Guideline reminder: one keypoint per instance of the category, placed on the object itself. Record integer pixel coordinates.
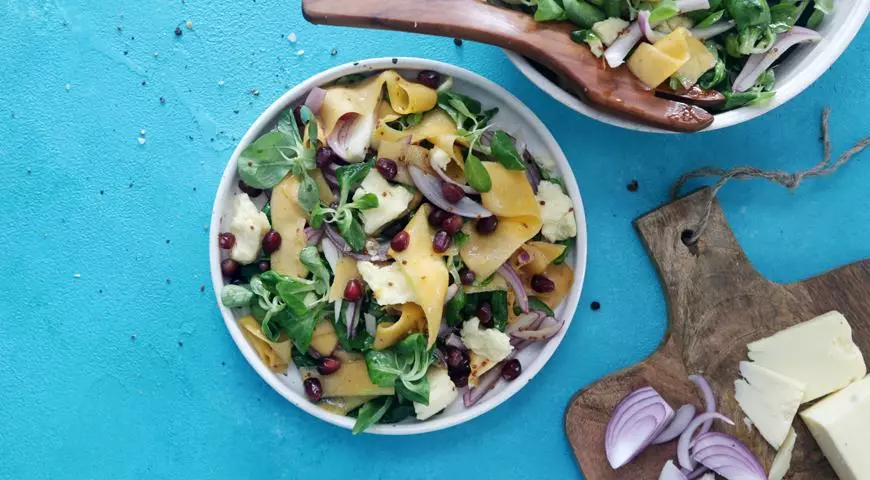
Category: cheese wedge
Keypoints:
(841, 426)
(818, 353)
(782, 460)
(769, 399)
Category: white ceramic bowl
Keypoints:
(513, 116)
(803, 65)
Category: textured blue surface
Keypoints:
(128, 371)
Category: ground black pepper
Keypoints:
(595, 306)
(178, 32)
(457, 42)
(632, 186)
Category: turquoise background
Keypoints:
(128, 371)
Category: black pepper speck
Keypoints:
(178, 32)
(180, 344)
(334, 52)
(632, 186)
(162, 100)
(395, 61)
(202, 288)
(595, 306)
(457, 42)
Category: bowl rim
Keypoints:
(504, 97)
(810, 71)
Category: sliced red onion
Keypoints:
(351, 136)
(314, 100)
(533, 171)
(728, 457)
(330, 252)
(759, 62)
(709, 399)
(686, 437)
(351, 317)
(548, 329)
(681, 420)
(618, 50)
(430, 187)
(671, 472)
(371, 323)
(312, 235)
(519, 343)
(702, 472)
(484, 385)
(524, 322)
(451, 292)
(331, 180)
(712, 30)
(445, 178)
(686, 6)
(651, 35)
(342, 246)
(516, 284)
(636, 421)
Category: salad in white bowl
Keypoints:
(392, 246)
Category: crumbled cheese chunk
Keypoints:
(442, 393)
(393, 201)
(249, 226)
(607, 30)
(489, 342)
(769, 399)
(557, 212)
(389, 285)
(782, 460)
(439, 158)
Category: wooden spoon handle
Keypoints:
(547, 43)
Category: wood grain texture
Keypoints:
(717, 303)
(548, 43)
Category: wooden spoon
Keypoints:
(550, 44)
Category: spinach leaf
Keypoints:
(710, 19)
(476, 175)
(301, 359)
(757, 39)
(498, 300)
(398, 412)
(663, 10)
(309, 192)
(615, 8)
(267, 209)
(343, 216)
(564, 255)
(293, 291)
(353, 233)
(783, 16)
(748, 13)
(370, 413)
(234, 296)
(766, 80)
(261, 164)
(301, 328)
(460, 239)
(749, 97)
(383, 367)
(583, 14)
(350, 78)
(549, 10)
(406, 121)
(535, 304)
(310, 257)
(414, 391)
(350, 176)
(504, 150)
(453, 309)
(360, 343)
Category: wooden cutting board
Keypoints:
(717, 303)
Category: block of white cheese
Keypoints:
(782, 460)
(442, 392)
(393, 201)
(389, 285)
(818, 353)
(769, 399)
(841, 426)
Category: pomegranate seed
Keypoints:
(467, 277)
(436, 216)
(429, 78)
(487, 225)
(484, 314)
(251, 191)
(455, 358)
(453, 193)
(230, 268)
(313, 388)
(400, 241)
(328, 365)
(226, 240)
(387, 168)
(452, 224)
(353, 290)
(271, 242)
(542, 284)
(511, 369)
(441, 242)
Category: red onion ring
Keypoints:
(315, 98)
(686, 437)
(516, 284)
(443, 176)
(713, 30)
(451, 292)
(617, 51)
(728, 457)
(342, 246)
(351, 136)
(533, 171)
(651, 35)
(430, 187)
(548, 329)
(759, 62)
(484, 385)
(681, 420)
(371, 323)
(636, 421)
(524, 322)
(709, 399)
(686, 6)
(312, 235)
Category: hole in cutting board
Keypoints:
(686, 238)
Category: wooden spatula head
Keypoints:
(549, 44)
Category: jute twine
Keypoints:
(786, 179)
